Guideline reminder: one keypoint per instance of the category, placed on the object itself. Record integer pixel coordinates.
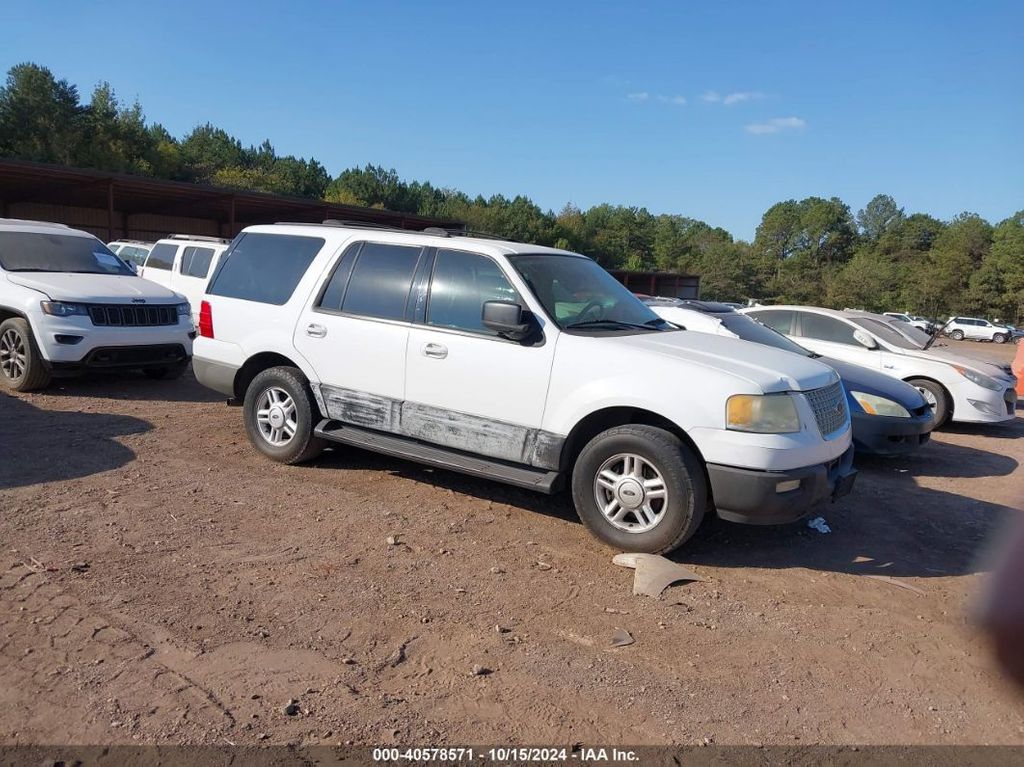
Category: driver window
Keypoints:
(460, 285)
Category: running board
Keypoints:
(444, 458)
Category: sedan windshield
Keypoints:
(45, 252)
(899, 334)
(751, 330)
(579, 295)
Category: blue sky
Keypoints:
(711, 110)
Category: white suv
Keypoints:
(67, 304)
(524, 364)
(975, 329)
(132, 252)
(184, 263)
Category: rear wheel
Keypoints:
(280, 416)
(957, 335)
(937, 397)
(21, 364)
(639, 488)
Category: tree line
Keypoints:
(811, 251)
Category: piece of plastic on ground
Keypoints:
(654, 574)
(819, 524)
(622, 638)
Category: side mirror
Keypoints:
(507, 319)
(864, 339)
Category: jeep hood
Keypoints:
(94, 288)
(772, 370)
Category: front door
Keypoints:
(832, 337)
(467, 388)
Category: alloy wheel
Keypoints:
(276, 416)
(13, 357)
(631, 493)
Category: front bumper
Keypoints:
(985, 406)
(887, 435)
(124, 357)
(751, 497)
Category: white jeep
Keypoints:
(68, 304)
(524, 364)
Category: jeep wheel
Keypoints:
(639, 488)
(957, 335)
(999, 338)
(21, 365)
(936, 396)
(280, 416)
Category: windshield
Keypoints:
(39, 252)
(897, 333)
(751, 330)
(578, 294)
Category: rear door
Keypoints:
(160, 263)
(465, 387)
(191, 273)
(355, 330)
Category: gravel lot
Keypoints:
(161, 582)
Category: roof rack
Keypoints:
(198, 238)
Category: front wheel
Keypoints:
(21, 364)
(640, 489)
(280, 416)
(957, 335)
(936, 396)
(999, 338)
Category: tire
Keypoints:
(937, 393)
(676, 516)
(276, 384)
(165, 372)
(999, 338)
(21, 365)
(957, 335)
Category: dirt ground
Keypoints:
(161, 582)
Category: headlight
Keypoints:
(63, 309)
(978, 378)
(184, 310)
(873, 405)
(764, 414)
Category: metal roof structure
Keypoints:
(122, 196)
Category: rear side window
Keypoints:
(780, 321)
(264, 267)
(462, 282)
(195, 262)
(826, 329)
(380, 282)
(162, 256)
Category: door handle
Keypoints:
(316, 331)
(437, 351)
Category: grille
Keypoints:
(829, 406)
(118, 315)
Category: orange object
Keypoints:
(1018, 368)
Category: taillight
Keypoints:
(205, 320)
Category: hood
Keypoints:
(771, 370)
(862, 379)
(94, 288)
(942, 354)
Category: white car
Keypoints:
(959, 387)
(918, 322)
(524, 364)
(184, 263)
(976, 329)
(132, 252)
(67, 304)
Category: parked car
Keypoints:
(959, 387)
(68, 304)
(132, 252)
(528, 365)
(184, 263)
(921, 323)
(976, 329)
(890, 417)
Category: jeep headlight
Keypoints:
(978, 378)
(63, 308)
(184, 310)
(875, 405)
(762, 413)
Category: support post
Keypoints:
(110, 210)
(231, 219)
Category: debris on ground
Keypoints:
(479, 670)
(291, 708)
(654, 574)
(543, 565)
(819, 524)
(896, 582)
(622, 638)
(392, 540)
